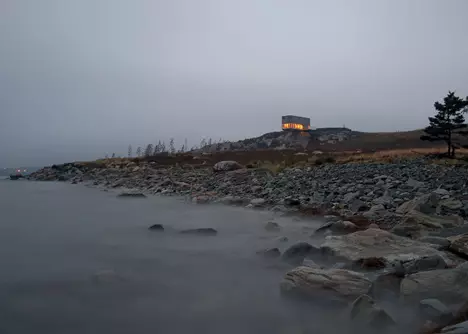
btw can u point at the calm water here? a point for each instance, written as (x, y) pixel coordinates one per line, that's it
(55, 237)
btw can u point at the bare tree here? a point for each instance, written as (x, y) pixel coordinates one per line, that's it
(182, 149)
(163, 147)
(138, 151)
(130, 151)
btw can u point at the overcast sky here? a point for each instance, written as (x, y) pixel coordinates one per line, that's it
(82, 78)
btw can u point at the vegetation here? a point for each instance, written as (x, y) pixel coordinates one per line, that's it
(448, 123)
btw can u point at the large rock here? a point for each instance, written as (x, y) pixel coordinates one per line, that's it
(461, 328)
(133, 194)
(332, 284)
(296, 253)
(200, 231)
(459, 245)
(225, 166)
(365, 313)
(362, 246)
(416, 224)
(426, 204)
(447, 285)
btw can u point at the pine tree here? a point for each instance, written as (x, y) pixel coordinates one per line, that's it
(149, 150)
(171, 146)
(113, 155)
(448, 122)
(163, 147)
(138, 152)
(130, 151)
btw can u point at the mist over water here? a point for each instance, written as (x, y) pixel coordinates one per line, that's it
(55, 238)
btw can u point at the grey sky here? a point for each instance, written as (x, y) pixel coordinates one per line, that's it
(79, 78)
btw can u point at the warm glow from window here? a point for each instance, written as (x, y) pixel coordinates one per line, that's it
(294, 126)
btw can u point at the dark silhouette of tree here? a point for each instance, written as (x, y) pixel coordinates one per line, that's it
(149, 150)
(138, 152)
(157, 148)
(182, 149)
(163, 147)
(130, 151)
(448, 122)
(113, 155)
(171, 146)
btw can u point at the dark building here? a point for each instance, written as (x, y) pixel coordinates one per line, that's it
(295, 123)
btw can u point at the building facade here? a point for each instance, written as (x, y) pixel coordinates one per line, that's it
(295, 123)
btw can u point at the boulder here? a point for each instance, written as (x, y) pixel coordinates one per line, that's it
(416, 224)
(447, 285)
(425, 263)
(460, 328)
(257, 202)
(426, 204)
(440, 242)
(156, 227)
(226, 166)
(435, 311)
(373, 244)
(200, 231)
(131, 194)
(459, 245)
(332, 284)
(386, 285)
(270, 253)
(338, 227)
(296, 253)
(365, 313)
(272, 226)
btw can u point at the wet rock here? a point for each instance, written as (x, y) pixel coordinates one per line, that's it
(292, 202)
(270, 253)
(131, 194)
(232, 200)
(225, 166)
(386, 286)
(447, 285)
(282, 239)
(310, 263)
(459, 245)
(442, 243)
(376, 243)
(366, 314)
(200, 231)
(296, 253)
(416, 224)
(424, 264)
(156, 227)
(332, 284)
(425, 204)
(272, 226)
(460, 328)
(202, 199)
(338, 227)
(435, 311)
(257, 202)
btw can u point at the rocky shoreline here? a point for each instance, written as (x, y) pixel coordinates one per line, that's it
(391, 229)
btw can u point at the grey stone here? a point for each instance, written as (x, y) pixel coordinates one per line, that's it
(447, 285)
(442, 243)
(131, 194)
(225, 166)
(257, 202)
(461, 328)
(365, 313)
(376, 243)
(272, 226)
(435, 311)
(270, 253)
(425, 263)
(156, 227)
(200, 231)
(296, 253)
(333, 284)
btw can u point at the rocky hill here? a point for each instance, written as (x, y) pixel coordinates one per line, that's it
(326, 140)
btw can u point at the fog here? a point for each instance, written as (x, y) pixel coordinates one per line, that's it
(81, 79)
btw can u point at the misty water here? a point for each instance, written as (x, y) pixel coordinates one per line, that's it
(55, 238)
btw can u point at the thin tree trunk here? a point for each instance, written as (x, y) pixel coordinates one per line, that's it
(449, 144)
